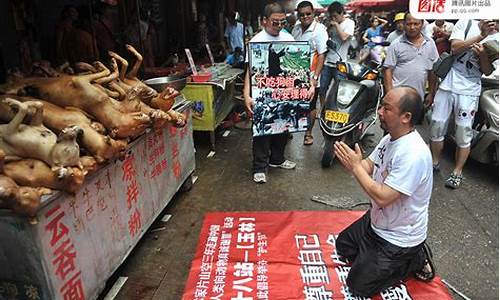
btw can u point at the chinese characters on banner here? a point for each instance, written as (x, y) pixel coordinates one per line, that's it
(282, 255)
(64, 255)
(108, 214)
(280, 86)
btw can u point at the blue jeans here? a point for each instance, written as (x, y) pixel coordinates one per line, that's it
(327, 74)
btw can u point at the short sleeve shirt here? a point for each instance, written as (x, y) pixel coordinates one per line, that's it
(234, 33)
(315, 34)
(410, 64)
(347, 26)
(405, 165)
(464, 77)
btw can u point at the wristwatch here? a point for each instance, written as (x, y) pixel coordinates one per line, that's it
(315, 77)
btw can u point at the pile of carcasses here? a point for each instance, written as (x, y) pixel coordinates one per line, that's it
(56, 128)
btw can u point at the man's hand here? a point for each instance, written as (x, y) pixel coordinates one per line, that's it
(310, 93)
(249, 106)
(429, 100)
(478, 49)
(351, 159)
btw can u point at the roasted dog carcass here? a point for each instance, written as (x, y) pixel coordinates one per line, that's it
(56, 118)
(36, 141)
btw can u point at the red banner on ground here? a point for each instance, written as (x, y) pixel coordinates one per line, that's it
(281, 255)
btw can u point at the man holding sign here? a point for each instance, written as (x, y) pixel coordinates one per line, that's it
(268, 150)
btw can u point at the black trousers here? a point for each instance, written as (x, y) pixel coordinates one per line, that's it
(376, 263)
(268, 149)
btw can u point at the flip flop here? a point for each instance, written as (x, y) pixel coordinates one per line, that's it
(308, 140)
(428, 271)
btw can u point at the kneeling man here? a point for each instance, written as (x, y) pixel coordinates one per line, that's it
(386, 245)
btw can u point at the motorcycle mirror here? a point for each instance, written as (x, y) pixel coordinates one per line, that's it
(331, 45)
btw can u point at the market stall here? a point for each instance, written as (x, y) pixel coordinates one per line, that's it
(213, 99)
(79, 240)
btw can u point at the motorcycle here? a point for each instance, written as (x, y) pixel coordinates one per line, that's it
(376, 55)
(351, 105)
(484, 145)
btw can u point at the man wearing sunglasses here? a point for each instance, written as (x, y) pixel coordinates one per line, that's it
(308, 30)
(268, 150)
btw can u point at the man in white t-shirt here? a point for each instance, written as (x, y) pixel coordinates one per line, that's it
(268, 150)
(386, 245)
(460, 90)
(308, 30)
(341, 30)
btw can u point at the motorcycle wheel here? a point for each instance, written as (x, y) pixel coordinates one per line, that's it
(328, 154)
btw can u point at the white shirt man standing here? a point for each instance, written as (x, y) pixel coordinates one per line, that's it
(309, 30)
(341, 30)
(460, 90)
(268, 150)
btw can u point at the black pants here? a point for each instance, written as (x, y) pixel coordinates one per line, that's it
(376, 263)
(268, 149)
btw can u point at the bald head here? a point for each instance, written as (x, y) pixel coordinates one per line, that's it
(409, 101)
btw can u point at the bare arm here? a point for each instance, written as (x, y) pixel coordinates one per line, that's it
(387, 80)
(459, 46)
(246, 93)
(380, 193)
(365, 37)
(485, 64)
(342, 35)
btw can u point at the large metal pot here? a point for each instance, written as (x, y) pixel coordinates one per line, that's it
(177, 82)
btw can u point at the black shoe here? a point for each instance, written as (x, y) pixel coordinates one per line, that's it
(428, 271)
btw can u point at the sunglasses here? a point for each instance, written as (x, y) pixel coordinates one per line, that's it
(307, 14)
(277, 23)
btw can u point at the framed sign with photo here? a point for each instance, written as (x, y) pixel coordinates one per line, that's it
(279, 73)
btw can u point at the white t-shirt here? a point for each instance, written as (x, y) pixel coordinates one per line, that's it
(406, 166)
(464, 77)
(429, 29)
(315, 34)
(263, 36)
(342, 47)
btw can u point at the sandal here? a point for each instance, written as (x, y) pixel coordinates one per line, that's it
(308, 139)
(428, 271)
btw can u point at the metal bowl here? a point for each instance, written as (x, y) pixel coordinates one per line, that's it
(160, 83)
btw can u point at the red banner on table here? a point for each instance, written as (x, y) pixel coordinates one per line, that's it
(281, 255)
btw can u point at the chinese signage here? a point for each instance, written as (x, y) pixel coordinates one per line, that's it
(281, 255)
(280, 86)
(455, 9)
(84, 237)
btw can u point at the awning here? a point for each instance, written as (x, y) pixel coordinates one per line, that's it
(325, 3)
(377, 5)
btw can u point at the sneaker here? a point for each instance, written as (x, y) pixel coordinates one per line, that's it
(454, 181)
(287, 164)
(259, 177)
(436, 168)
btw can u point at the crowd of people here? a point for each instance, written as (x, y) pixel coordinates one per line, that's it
(387, 244)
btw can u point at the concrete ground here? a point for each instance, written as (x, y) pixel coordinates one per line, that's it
(463, 230)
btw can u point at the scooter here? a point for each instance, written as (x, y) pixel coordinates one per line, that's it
(484, 145)
(351, 105)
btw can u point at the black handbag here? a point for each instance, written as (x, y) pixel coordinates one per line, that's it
(443, 64)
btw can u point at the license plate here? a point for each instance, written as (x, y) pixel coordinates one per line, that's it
(337, 116)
